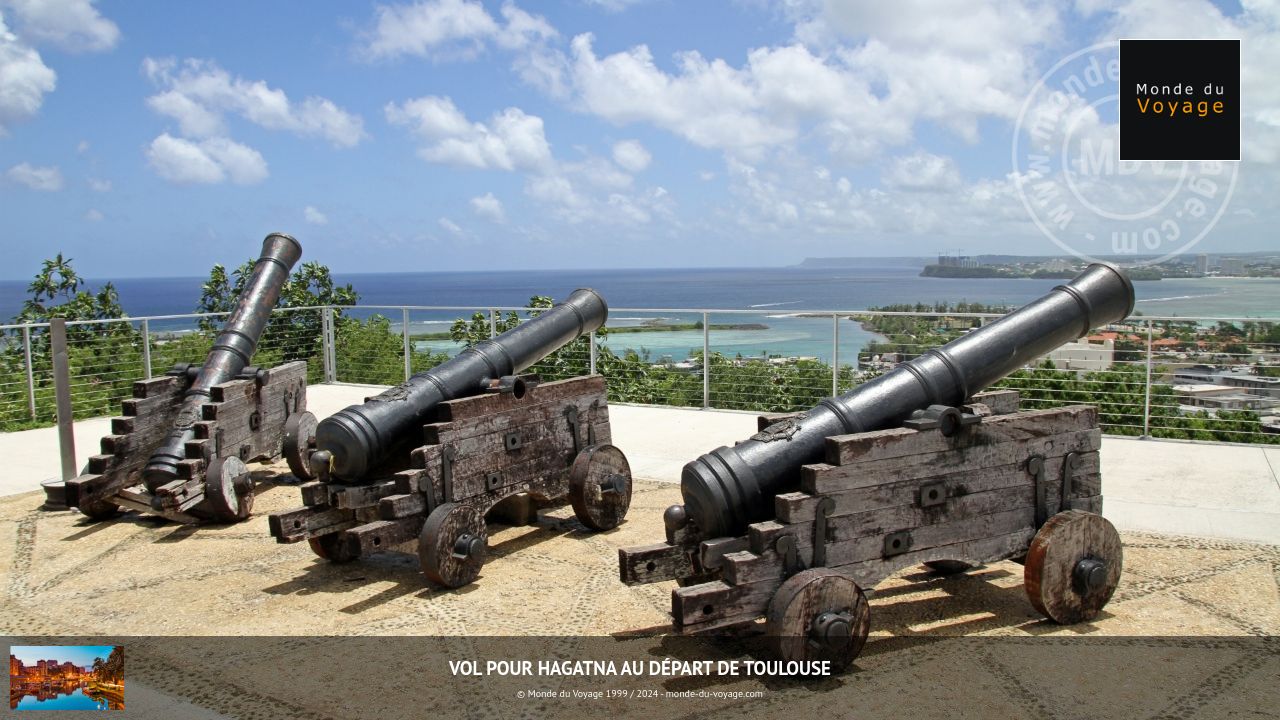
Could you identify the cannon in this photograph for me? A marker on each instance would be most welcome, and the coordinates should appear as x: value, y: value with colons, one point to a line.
x: 361, y: 437
x: 231, y: 353
x: 428, y: 461
x: 180, y: 449
x: 917, y: 466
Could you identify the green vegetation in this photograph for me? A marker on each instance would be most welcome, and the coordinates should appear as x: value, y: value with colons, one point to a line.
x: 1020, y: 271
x: 107, y: 357
x: 909, y: 335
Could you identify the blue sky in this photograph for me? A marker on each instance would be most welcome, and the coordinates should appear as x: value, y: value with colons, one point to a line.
x: 81, y: 655
x: 154, y: 139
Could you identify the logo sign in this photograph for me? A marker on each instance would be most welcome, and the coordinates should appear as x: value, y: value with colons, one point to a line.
x: 1179, y: 99
x: 1082, y: 195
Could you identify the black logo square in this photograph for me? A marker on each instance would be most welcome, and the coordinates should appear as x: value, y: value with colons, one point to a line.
x: 1179, y: 99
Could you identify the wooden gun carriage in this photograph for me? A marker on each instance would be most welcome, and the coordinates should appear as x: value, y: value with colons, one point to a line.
x: 506, y: 453
x: 952, y: 489
x: 246, y: 419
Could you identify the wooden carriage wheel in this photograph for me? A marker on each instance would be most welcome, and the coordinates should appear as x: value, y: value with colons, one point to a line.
x: 600, y: 487
x: 299, y: 441
x: 1073, y: 566
x: 819, y: 614
x: 228, y: 489
x: 452, y: 545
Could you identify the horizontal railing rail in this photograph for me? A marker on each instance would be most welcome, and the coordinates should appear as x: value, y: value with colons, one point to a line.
x: 1146, y: 384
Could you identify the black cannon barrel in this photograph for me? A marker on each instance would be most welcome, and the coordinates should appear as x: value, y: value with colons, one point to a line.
x: 361, y: 436
x: 231, y: 351
x: 732, y: 487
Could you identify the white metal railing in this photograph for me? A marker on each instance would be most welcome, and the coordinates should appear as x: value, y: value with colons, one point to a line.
x: 1138, y: 388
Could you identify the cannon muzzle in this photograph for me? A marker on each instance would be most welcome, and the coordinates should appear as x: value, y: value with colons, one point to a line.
x: 732, y: 487
x: 361, y: 437
x: 231, y: 351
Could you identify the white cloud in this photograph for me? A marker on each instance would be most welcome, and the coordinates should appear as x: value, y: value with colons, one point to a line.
x: 488, y: 206
x: 206, y: 162
x: 99, y: 185
x: 199, y: 94
x: 444, y: 28
x: 71, y: 25
x: 82, y: 147
x: 924, y: 172
x: 708, y: 103
x: 597, y: 172
x: 314, y: 216
x: 93, y: 215
x: 858, y: 75
x: 452, y: 227
x: 24, y: 79
x: 631, y: 155
x: 511, y: 140
x: 47, y: 179
x: 614, y: 5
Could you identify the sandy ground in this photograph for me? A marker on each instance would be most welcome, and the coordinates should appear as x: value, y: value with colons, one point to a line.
x: 1190, y: 632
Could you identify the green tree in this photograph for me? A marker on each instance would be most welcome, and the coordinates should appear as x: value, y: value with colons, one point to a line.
x: 295, y: 329
x: 96, y: 351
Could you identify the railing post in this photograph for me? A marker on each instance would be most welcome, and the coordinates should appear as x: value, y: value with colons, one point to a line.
x: 835, y: 355
x: 407, y: 364
x: 591, y: 338
x: 62, y: 393
x: 1146, y: 401
x: 326, y: 339
x: 146, y: 349
x: 706, y: 361
x: 493, y: 323
x: 31, y: 375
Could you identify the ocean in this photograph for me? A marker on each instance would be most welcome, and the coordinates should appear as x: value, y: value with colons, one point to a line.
x: 770, y: 295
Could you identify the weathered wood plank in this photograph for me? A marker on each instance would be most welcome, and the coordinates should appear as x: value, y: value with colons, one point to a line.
x: 354, y: 496
x: 314, y: 493
x: 393, y: 507
x: 825, y: 479
x: 900, y: 442
x: 491, y: 403
x: 591, y: 411
x: 1087, y: 480
x: 162, y: 385
x: 1001, y: 402
x: 716, y: 605
x: 381, y: 535
x: 653, y: 563
x: 747, y: 567
x: 292, y: 526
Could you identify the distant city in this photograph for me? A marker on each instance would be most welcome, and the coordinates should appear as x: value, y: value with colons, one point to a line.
x: 955, y: 265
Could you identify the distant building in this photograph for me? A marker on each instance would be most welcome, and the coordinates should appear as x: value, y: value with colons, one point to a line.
x: 1194, y: 374
x: 1084, y: 356
x: 1202, y: 264
x: 15, y: 666
x: 964, y: 261
x: 1219, y: 397
x: 1267, y: 386
x: 1232, y: 266
x: 1056, y: 265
